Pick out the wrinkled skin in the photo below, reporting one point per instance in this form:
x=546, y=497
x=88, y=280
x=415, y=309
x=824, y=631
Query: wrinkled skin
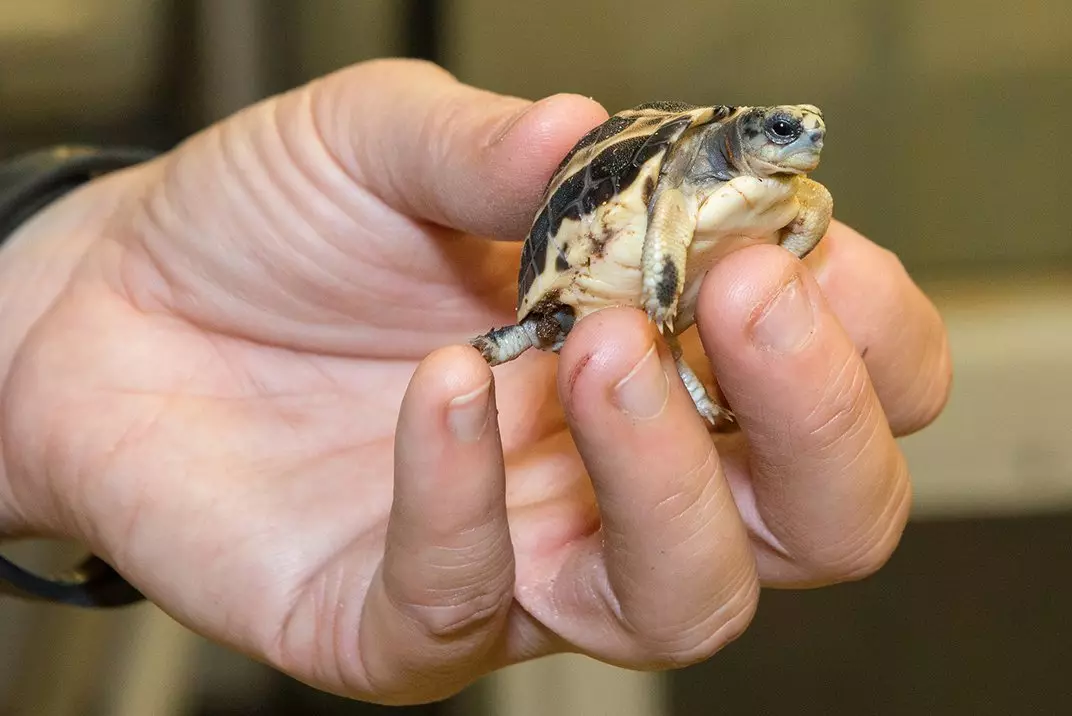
x=228, y=372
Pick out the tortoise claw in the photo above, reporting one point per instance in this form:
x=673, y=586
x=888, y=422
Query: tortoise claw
x=662, y=316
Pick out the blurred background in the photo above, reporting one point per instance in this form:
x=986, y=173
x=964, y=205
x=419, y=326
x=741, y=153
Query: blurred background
x=949, y=143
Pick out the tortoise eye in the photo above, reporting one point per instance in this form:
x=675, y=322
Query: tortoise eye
x=782, y=130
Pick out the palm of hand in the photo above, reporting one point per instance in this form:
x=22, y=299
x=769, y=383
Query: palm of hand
x=285, y=485
x=232, y=399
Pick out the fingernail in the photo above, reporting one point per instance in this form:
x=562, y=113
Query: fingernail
x=467, y=415
x=644, y=392
x=788, y=319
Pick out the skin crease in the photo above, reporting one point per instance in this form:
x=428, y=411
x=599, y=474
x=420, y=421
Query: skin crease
x=231, y=372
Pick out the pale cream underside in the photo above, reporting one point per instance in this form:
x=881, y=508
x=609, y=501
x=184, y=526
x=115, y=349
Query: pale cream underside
x=741, y=212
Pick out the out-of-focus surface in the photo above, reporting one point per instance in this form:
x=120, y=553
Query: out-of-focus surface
x=78, y=62
x=1003, y=446
x=947, y=145
x=938, y=112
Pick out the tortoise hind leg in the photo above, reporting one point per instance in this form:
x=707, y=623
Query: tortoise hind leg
x=500, y=345
x=546, y=330
x=705, y=405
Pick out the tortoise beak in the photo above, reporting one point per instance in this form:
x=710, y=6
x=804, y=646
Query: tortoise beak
x=815, y=138
x=806, y=150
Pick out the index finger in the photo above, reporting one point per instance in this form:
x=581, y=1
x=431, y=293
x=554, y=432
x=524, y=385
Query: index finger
x=440, y=150
x=670, y=577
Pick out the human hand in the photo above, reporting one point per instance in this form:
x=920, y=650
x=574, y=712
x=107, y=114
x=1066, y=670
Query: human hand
x=239, y=374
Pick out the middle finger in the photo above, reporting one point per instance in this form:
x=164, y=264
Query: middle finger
x=671, y=573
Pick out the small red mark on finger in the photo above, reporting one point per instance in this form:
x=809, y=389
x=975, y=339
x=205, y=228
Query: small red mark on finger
x=577, y=370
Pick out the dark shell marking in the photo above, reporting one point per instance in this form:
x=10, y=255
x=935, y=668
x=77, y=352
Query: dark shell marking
x=615, y=125
x=601, y=165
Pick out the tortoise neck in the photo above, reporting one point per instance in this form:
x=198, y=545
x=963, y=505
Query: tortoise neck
x=719, y=155
x=730, y=156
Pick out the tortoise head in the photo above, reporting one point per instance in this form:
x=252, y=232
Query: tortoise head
x=786, y=139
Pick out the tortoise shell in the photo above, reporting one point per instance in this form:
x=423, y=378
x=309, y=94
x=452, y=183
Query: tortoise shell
x=618, y=161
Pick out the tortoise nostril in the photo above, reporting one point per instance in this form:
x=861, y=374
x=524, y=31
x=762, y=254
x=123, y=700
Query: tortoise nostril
x=816, y=136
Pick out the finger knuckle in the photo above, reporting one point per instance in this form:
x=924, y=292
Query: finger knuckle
x=867, y=550
x=710, y=630
x=450, y=605
x=446, y=621
x=846, y=408
x=696, y=493
x=935, y=384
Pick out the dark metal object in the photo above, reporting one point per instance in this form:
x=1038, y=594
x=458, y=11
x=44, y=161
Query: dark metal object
x=93, y=583
x=31, y=181
x=28, y=183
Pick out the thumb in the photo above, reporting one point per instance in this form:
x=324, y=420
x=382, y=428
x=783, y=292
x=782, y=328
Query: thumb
x=442, y=151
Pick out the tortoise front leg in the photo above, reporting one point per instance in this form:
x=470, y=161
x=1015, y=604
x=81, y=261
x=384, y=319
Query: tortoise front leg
x=812, y=220
x=662, y=262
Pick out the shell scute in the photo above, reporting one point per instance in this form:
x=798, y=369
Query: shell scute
x=665, y=106
x=615, y=125
x=660, y=140
x=601, y=166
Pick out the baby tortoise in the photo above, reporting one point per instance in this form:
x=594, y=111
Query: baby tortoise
x=645, y=203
